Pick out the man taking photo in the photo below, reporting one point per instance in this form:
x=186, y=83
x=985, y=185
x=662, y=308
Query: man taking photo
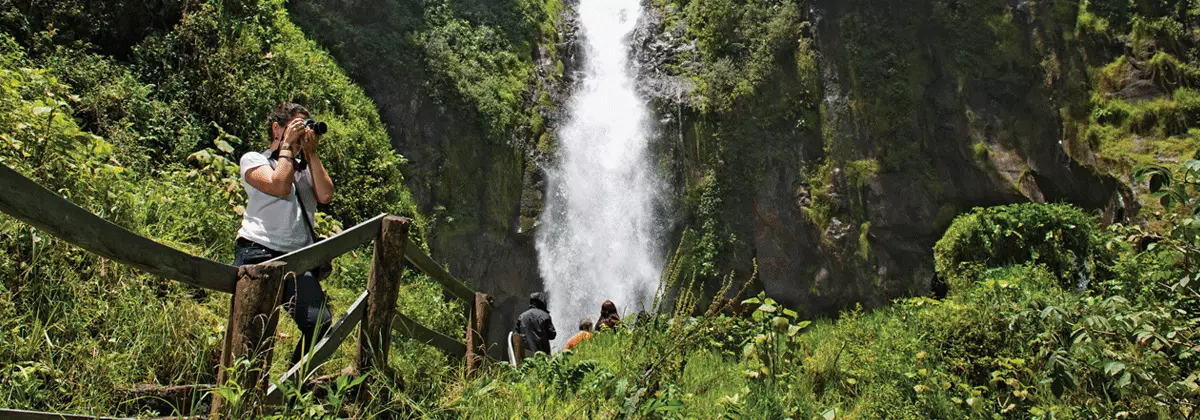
x=283, y=194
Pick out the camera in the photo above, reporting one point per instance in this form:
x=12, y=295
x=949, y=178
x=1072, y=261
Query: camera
x=318, y=127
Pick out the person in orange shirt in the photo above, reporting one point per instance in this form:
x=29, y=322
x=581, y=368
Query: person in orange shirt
x=585, y=332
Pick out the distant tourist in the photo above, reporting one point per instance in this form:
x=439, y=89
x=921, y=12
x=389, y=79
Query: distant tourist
x=536, y=326
x=585, y=332
x=609, y=319
x=643, y=318
x=283, y=195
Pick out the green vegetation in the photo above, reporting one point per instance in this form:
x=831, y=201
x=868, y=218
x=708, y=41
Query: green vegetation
x=1009, y=341
x=853, y=97
x=206, y=85
x=757, y=92
x=1060, y=237
x=981, y=151
x=803, y=93
x=475, y=57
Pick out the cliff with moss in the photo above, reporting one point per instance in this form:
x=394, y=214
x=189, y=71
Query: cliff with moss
x=833, y=142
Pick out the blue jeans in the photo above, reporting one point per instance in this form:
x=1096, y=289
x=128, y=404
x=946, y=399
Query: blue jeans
x=303, y=298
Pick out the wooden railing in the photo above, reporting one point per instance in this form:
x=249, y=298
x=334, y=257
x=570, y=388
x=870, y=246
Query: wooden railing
x=257, y=289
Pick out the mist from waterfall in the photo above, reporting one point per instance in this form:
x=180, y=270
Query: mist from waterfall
x=599, y=236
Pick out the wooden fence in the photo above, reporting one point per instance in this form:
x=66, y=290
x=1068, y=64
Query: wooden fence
x=256, y=289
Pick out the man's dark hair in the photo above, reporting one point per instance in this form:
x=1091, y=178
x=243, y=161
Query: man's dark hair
x=585, y=324
x=538, y=300
x=282, y=114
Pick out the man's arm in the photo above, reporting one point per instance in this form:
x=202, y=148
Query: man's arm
x=278, y=181
x=322, y=184
x=550, y=332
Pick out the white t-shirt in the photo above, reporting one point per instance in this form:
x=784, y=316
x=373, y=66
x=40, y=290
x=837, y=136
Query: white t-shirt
x=272, y=221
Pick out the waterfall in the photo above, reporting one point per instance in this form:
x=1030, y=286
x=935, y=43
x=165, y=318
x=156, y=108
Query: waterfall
x=599, y=235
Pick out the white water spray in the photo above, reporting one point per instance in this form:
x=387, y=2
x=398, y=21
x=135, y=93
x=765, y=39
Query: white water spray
x=599, y=237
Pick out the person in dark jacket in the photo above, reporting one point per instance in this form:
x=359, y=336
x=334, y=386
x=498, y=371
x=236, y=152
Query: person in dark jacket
x=536, y=326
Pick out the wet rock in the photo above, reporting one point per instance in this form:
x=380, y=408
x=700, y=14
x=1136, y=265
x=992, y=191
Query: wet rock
x=1140, y=90
x=837, y=230
x=660, y=53
x=802, y=196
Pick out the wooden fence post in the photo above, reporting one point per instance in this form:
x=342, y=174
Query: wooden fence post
x=477, y=332
x=383, y=287
x=250, y=332
x=517, y=344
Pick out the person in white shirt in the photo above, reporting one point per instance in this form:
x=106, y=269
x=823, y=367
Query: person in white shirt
x=283, y=194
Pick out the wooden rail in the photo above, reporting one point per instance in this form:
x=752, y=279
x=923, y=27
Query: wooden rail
x=383, y=285
x=325, y=251
x=423, y=262
x=250, y=330
x=324, y=348
x=39, y=415
x=478, y=316
x=417, y=332
x=256, y=289
x=24, y=199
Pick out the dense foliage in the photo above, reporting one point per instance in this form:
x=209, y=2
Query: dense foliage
x=1012, y=343
x=476, y=57
x=76, y=327
x=1060, y=237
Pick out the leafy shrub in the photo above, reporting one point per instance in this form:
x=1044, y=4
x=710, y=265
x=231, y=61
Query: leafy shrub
x=77, y=328
x=114, y=26
x=1060, y=236
x=113, y=103
x=478, y=63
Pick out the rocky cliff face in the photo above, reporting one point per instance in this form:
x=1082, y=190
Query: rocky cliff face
x=833, y=142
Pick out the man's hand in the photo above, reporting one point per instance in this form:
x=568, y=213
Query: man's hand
x=294, y=132
x=322, y=185
x=309, y=143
